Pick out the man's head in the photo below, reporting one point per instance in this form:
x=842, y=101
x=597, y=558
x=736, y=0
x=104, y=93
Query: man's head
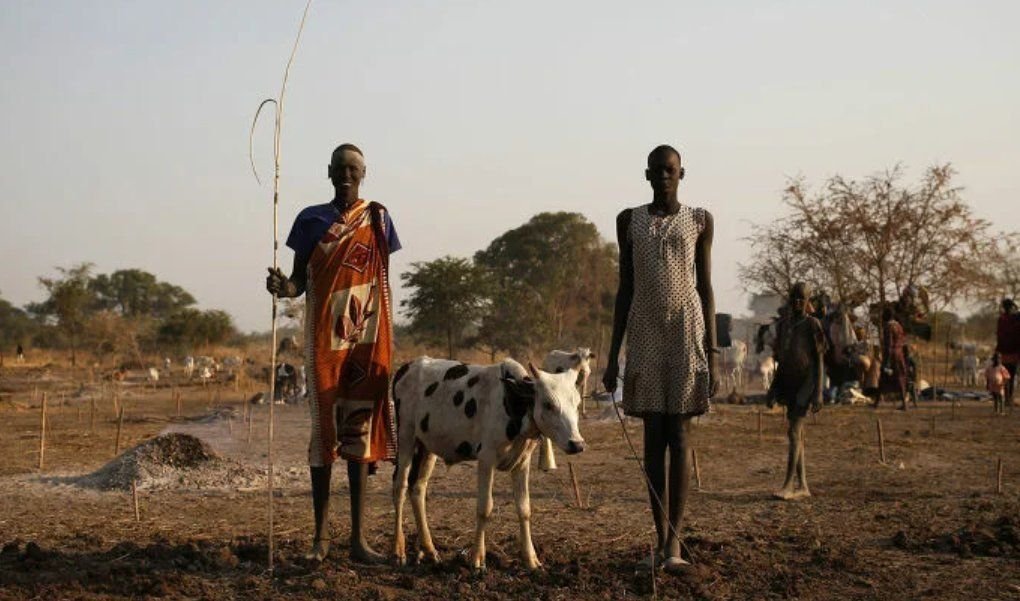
x=1008, y=306
x=798, y=298
x=346, y=170
x=664, y=170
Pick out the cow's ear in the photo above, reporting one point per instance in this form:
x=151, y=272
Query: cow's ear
x=591, y=355
x=520, y=395
x=576, y=358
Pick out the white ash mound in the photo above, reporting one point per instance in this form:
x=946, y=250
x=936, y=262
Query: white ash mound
x=172, y=460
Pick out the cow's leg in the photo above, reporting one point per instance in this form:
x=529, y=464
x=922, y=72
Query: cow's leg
x=426, y=550
x=485, y=474
x=522, y=498
x=320, y=506
x=678, y=438
x=404, y=456
x=357, y=478
x=547, y=457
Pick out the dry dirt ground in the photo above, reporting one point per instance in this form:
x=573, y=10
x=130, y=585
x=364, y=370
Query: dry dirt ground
x=926, y=524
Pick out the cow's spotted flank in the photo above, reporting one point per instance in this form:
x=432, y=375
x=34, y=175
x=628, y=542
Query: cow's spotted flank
x=458, y=398
x=424, y=425
x=400, y=374
x=456, y=372
x=473, y=380
x=470, y=408
x=464, y=449
x=432, y=388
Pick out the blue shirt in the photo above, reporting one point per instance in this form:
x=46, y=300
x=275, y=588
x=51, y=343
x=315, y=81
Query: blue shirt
x=312, y=222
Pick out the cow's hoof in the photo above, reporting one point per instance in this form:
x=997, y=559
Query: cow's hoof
x=320, y=549
x=533, y=564
x=429, y=557
x=400, y=560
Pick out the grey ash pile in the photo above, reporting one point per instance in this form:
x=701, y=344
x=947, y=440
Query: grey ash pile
x=163, y=462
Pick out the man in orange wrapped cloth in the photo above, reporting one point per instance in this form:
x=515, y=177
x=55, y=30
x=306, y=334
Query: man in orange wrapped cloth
x=341, y=264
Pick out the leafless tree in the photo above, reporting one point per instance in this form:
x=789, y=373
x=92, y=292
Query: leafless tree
x=871, y=239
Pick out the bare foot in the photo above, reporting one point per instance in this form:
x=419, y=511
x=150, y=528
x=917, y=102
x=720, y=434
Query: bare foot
x=650, y=563
x=362, y=553
x=800, y=493
x=674, y=564
x=320, y=549
x=785, y=494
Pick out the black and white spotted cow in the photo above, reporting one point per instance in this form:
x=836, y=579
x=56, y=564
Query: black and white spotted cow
x=558, y=362
x=491, y=414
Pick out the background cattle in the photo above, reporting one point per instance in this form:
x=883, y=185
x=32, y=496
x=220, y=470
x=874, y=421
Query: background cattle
x=558, y=362
x=731, y=364
x=286, y=388
x=490, y=414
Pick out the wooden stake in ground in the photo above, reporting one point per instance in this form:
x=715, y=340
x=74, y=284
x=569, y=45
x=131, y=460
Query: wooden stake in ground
x=134, y=499
x=42, y=432
x=697, y=470
x=251, y=423
x=120, y=425
x=998, y=476
x=881, y=442
x=178, y=399
x=92, y=414
x=759, y=423
x=577, y=488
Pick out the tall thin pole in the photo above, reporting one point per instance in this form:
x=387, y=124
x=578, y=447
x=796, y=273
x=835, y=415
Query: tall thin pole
x=42, y=431
x=276, y=246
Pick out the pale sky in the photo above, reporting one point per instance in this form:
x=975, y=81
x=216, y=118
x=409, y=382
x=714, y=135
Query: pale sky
x=125, y=123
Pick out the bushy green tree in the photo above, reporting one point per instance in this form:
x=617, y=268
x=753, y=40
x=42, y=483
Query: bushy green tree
x=190, y=327
x=137, y=293
x=70, y=303
x=448, y=298
x=553, y=283
x=16, y=327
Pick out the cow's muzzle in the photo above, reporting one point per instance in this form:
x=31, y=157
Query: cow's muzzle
x=574, y=447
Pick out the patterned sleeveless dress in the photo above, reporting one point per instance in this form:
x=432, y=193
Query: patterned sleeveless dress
x=667, y=366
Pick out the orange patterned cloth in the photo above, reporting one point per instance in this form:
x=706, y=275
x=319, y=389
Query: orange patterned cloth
x=349, y=337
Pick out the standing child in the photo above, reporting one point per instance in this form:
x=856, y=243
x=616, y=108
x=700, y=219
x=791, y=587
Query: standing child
x=800, y=349
x=996, y=376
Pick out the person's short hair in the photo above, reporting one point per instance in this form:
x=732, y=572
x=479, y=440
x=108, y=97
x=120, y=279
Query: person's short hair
x=802, y=288
x=1008, y=303
x=664, y=148
x=346, y=146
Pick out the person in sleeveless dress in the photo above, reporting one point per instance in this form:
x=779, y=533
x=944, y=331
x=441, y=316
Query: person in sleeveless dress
x=666, y=309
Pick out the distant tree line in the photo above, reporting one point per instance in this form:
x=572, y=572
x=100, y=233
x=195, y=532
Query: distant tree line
x=865, y=241
x=122, y=314
x=548, y=283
